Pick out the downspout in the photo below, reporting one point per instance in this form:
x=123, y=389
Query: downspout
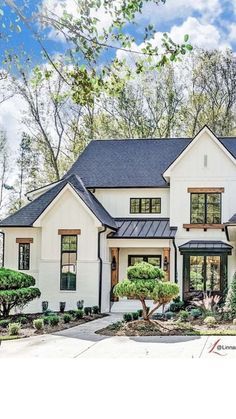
x=175, y=269
x=100, y=267
x=3, y=248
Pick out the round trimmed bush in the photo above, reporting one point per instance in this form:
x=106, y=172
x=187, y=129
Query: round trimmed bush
x=127, y=317
x=95, y=310
x=79, y=314
x=67, y=318
x=14, y=329
x=183, y=315
x=210, y=321
x=135, y=315
x=38, y=324
x=53, y=320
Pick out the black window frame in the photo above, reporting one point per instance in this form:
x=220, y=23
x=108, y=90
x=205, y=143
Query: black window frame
x=61, y=265
x=27, y=260
x=140, y=205
x=144, y=257
x=206, y=194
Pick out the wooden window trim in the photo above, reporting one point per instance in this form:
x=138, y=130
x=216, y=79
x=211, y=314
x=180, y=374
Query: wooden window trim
x=206, y=190
x=69, y=232
x=24, y=240
x=204, y=226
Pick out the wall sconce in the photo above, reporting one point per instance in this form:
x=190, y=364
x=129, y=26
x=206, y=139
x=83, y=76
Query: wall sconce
x=113, y=264
x=165, y=264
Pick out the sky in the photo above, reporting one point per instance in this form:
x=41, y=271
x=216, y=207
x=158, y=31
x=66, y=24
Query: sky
x=211, y=24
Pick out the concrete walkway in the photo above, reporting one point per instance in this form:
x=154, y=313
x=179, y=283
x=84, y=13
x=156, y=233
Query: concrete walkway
x=82, y=342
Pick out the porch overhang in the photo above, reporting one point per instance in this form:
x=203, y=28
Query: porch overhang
x=143, y=228
x=204, y=246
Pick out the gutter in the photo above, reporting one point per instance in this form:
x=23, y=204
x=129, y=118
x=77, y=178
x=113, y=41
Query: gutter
x=100, y=267
x=175, y=269
x=3, y=248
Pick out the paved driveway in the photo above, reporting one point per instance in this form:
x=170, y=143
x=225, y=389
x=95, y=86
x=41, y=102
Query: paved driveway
x=82, y=342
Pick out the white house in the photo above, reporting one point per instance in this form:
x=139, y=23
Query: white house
x=165, y=201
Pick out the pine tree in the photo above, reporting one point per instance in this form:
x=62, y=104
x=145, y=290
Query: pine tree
x=230, y=303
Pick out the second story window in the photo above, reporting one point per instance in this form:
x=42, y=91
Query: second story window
x=145, y=205
x=205, y=208
x=24, y=256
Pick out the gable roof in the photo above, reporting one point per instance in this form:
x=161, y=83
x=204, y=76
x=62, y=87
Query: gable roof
x=132, y=163
x=27, y=215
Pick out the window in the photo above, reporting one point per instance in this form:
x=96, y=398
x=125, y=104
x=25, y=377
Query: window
x=145, y=205
x=153, y=260
x=206, y=208
x=24, y=256
x=68, y=262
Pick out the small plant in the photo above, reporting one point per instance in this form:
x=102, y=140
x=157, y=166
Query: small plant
x=53, y=320
x=4, y=323
x=38, y=324
x=44, y=306
x=234, y=322
x=67, y=318
x=169, y=315
x=177, y=305
x=72, y=312
x=230, y=304
x=95, y=310
x=208, y=303
x=23, y=320
x=48, y=313
x=87, y=311
x=80, y=304
x=195, y=313
x=14, y=329
x=62, y=306
x=127, y=317
x=140, y=312
x=210, y=321
x=183, y=316
x=46, y=320
x=135, y=315
x=79, y=314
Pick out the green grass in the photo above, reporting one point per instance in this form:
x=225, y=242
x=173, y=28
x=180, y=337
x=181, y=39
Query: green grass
x=212, y=332
x=8, y=337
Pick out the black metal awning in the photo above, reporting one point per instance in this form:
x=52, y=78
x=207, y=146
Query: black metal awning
x=143, y=228
x=197, y=246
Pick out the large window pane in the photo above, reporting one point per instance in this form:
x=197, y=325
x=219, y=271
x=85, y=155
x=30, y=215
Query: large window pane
x=68, y=262
x=212, y=273
x=213, y=209
x=156, y=205
x=24, y=256
x=198, y=208
x=134, y=205
x=145, y=205
x=153, y=260
x=196, y=273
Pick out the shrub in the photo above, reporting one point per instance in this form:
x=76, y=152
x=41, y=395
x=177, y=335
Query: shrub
x=23, y=320
x=195, y=313
x=234, y=322
x=49, y=313
x=140, y=313
x=183, y=315
x=210, y=321
x=135, y=315
x=169, y=315
x=87, y=311
x=79, y=314
x=127, y=317
x=209, y=303
x=14, y=329
x=16, y=290
x=4, y=323
x=72, y=312
x=144, y=282
x=95, y=310
x=46, y=319
x=230, y=304
x=67, y=318
x=53, y=320
x=38, y=324
x=177, y=305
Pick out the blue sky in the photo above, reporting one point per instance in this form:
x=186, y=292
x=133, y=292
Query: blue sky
x=210, y=24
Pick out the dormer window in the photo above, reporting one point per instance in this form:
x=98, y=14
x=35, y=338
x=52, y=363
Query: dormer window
x=145, y=205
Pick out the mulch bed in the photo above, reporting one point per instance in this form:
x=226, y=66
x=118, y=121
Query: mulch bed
x=165, y=328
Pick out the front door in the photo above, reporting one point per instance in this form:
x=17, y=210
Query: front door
x=204, y=273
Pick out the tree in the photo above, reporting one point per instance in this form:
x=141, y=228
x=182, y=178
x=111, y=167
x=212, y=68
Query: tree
x=16, y=290
x=145, y=281
x=230, y=303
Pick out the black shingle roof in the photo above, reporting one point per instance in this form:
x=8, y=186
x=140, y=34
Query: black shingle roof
x=204, y=245
x=143, y=228
x=27, y=215
x=132, y=163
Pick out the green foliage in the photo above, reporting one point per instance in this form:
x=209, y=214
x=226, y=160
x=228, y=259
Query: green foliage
x=67, y=318
x=4, y=323
x=169, y=315
x=183, y=315
x=176, y=306
x=230, y=304
x=87, y=311
x=128, y=317
x=22, y=320
x=140, y=312
x=53, y=320
x=16, y=290
x=14, y=329
x=210, y=321
x=38, y=324
x=135, y=315
x=72, y=312
x=79, y=314
x=46, y=319
x=195, y=313
x=144, y=270
x=95, y=310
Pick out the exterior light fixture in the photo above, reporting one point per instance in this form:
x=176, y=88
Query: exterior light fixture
x=113, y=264
x=165, y=264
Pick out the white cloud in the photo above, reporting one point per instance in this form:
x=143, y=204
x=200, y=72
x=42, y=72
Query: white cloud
x=232, y=32
x=10, y=119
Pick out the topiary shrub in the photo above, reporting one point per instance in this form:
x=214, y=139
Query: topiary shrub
x=38, y=324
x=53, y=320
x=127, y=317
x=14, y=329
x=145, y=283
x=183, y=316
x=177, y=305
x=135, y=315
x=16, y=290
x=67, y=318
x=95, y=310
x=79, y=314
x=87, y=311
x=210, y=321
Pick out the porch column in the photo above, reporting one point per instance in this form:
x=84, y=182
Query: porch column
x=166, y=262
x=114, y=269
